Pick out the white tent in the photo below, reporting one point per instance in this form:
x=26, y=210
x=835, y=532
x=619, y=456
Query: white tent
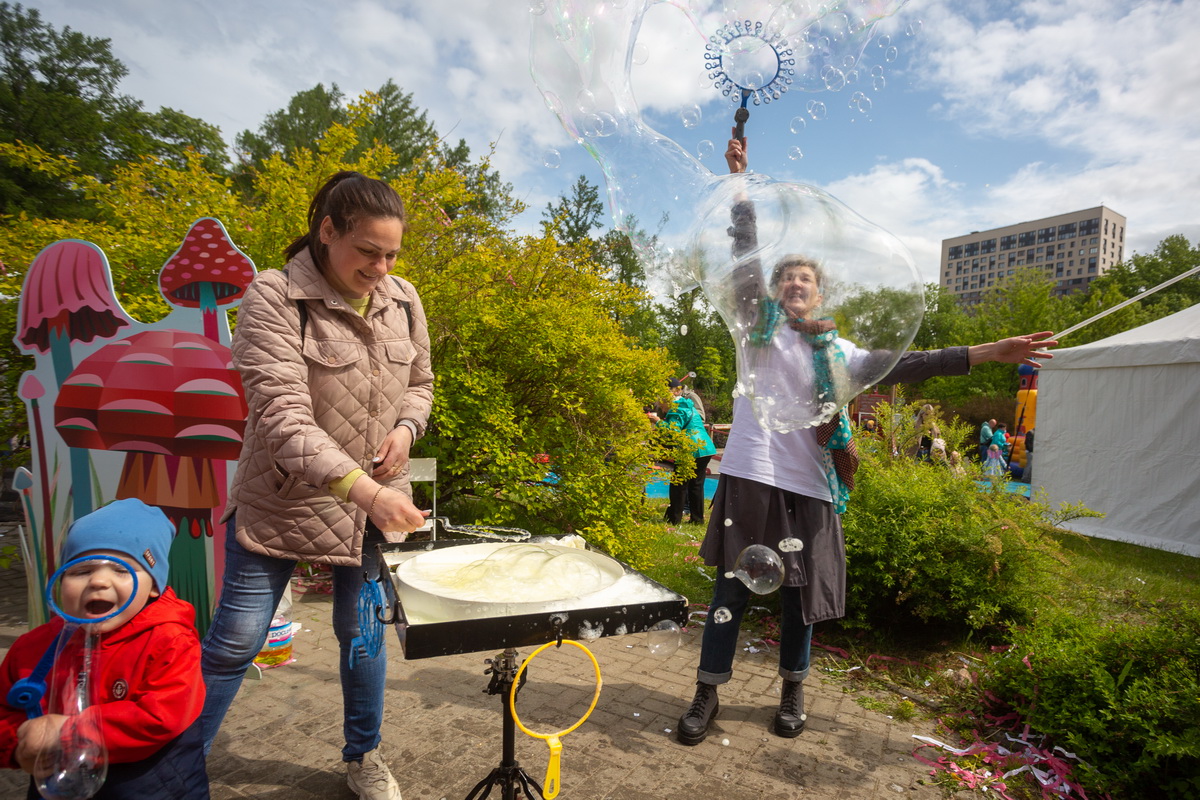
x=1118, y=429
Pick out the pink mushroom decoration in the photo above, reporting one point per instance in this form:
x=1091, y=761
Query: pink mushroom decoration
x=68, y=297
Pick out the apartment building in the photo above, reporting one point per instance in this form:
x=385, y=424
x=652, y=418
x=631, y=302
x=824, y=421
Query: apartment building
x=1073, y=249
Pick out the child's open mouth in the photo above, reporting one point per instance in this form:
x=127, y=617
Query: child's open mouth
x=98, y=608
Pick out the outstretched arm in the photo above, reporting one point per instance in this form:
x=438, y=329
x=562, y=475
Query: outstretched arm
x=1014, y=350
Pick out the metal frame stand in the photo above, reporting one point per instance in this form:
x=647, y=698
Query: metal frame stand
x=508, y=776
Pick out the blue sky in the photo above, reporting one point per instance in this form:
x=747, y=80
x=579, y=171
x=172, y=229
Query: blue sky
x=993, y=112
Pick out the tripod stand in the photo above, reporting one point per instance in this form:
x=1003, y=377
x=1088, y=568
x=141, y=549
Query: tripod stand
x=508, y=776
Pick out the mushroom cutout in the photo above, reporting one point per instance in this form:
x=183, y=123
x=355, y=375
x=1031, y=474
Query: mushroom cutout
x=173, y=402
x=68, y=297
x=207, y=271
x=32, y=390
x=35, y=576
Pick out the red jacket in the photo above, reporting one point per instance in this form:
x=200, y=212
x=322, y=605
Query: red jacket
x=149, y=688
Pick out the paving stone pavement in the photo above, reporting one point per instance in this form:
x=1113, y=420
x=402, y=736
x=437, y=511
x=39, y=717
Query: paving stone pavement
x=442, y=734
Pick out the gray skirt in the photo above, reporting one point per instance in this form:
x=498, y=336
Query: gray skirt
x=746, y=512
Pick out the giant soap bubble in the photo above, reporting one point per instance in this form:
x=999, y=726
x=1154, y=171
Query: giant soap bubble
x=679, y=214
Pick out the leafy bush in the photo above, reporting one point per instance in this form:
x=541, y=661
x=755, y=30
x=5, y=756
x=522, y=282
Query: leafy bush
x=925, y=544
x=1123, y=696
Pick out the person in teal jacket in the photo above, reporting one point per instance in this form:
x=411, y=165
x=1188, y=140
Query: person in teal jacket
x=684, y=417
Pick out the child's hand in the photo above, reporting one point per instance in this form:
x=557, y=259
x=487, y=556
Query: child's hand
x=36, y=737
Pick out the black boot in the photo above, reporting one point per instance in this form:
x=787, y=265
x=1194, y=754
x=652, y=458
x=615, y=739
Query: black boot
x=693, y=725
x=790, y=718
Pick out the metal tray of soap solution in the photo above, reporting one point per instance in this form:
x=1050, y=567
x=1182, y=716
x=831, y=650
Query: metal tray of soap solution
x=633, y=604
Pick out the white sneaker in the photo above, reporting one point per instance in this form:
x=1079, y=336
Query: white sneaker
x=371, y=779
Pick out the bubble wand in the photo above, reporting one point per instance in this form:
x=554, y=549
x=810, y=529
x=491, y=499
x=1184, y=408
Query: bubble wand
x=78, y=767
x=740, y=56
x=552, y=782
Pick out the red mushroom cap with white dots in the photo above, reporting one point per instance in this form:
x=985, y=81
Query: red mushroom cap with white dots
x=207, y=256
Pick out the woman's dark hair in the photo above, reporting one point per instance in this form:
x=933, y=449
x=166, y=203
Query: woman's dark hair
x=346, y=198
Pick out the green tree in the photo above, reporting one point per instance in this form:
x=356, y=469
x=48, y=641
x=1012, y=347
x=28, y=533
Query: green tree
x=307, y=116
x=572, y=219
x=59, y=92
x=392, y=121
x=1173, y=256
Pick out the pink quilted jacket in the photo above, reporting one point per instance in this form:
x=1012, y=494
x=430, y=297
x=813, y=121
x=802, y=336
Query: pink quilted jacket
x=321, y=408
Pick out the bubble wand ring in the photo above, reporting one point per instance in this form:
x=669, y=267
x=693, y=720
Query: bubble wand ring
x=27, y=693
x=742, y=56
x=58, y=573
x=551, y=783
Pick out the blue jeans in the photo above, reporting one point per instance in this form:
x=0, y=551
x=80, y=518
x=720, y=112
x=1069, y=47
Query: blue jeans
x=250, y=593
x=721, y=638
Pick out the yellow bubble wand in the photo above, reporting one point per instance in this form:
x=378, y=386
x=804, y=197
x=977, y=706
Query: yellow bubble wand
x=552, y=782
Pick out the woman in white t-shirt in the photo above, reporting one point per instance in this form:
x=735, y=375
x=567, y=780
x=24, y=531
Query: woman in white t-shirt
x=778, y=487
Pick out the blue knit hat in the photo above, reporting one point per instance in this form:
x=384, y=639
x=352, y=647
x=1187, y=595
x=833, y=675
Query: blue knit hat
x=127, y=526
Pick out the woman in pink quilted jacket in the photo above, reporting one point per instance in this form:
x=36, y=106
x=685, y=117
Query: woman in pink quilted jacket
x=334, y=357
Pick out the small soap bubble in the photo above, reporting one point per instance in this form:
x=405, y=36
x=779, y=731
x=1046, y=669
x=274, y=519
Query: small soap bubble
x=860, y=102
x=913, y=28
x=705, y=148
x=690, y=116
x=663, y=638
x=884, y=41
x=833, y=77
x=721, y=615
x=791, y=545
x=551, y=158
x=798, y=124
x=760, y=568
x=641, y=53
x=795, y=153
x=879, y=82
x=890, y=54
x=683, y=330
x=816, y=109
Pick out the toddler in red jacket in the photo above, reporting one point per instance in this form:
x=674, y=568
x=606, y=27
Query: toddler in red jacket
x=148, y=692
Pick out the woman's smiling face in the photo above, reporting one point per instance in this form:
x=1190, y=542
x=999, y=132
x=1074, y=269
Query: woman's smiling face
x=798, y=291
x=358, y=259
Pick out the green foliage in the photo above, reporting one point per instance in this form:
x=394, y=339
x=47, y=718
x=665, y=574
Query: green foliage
x=573, y=218
x=1123, y=696
x=58, y=92
x=925, y=544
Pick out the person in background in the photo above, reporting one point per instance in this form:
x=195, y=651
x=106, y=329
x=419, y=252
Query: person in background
x=1027, y=474
x=793, y=485
x=985, y=438
x=927, y=428
x=994, y=466
x=697, y=403
x=334, y=357
x=1000, y=438
x=682, y=416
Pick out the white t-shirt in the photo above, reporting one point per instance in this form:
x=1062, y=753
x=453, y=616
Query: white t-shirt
x=783, y=371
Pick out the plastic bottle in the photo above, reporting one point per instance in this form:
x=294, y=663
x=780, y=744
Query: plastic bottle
x=277, y=649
